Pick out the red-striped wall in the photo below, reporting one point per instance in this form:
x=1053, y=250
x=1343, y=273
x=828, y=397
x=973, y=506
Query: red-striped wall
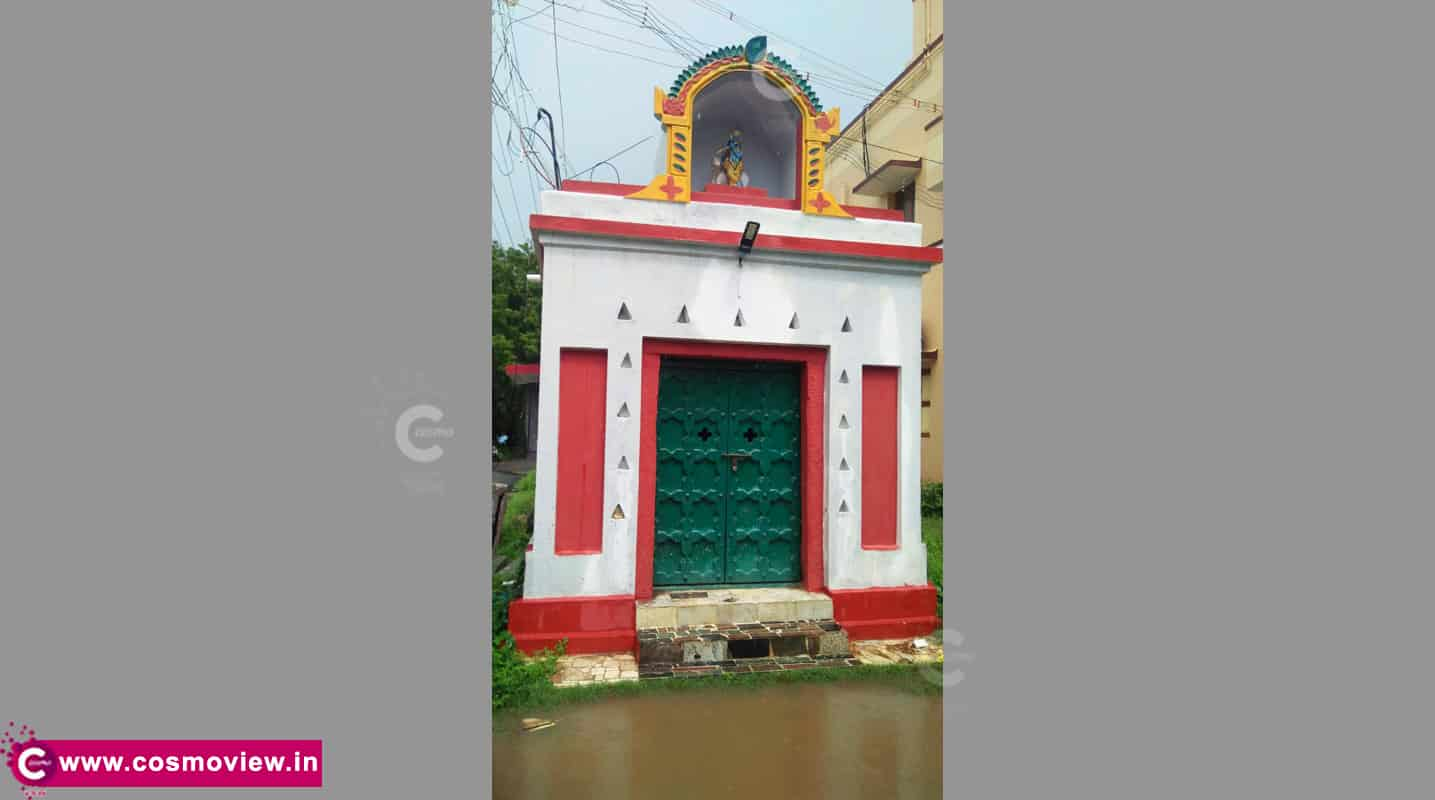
x=583, y=393
x=879, y=458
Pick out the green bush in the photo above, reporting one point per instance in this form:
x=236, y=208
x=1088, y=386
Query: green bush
x=931, y=499
x=517, y=680
x=515, y=530
x=520, y=680
x=932, y=538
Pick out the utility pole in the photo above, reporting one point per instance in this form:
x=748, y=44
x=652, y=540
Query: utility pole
x=552, y=147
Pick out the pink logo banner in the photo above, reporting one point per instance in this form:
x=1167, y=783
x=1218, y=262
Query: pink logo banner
x=163, y=763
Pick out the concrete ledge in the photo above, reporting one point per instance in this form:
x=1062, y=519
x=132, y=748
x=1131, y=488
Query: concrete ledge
x=886, y=612
x=731, y=607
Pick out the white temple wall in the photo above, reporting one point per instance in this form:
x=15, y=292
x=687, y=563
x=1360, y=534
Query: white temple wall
x=585, y=281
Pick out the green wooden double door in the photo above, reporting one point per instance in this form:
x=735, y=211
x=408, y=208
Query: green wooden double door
x=728, y=507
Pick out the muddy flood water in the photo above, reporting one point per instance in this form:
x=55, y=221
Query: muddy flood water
x=828, y=741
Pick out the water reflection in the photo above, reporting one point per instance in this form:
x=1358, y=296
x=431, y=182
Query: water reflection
x=795, y=741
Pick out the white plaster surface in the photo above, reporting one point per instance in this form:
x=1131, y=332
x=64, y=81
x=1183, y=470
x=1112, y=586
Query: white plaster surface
x=586, y=279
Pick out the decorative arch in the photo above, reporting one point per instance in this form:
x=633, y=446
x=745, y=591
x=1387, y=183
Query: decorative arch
x=674, y=109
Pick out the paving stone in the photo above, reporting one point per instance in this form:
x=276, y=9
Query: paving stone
x=896, y=651
x=832, y=643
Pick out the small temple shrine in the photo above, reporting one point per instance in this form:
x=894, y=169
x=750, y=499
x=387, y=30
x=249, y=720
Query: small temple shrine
x=728, y=421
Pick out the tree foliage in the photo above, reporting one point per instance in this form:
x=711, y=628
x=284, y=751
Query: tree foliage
x=516, y=314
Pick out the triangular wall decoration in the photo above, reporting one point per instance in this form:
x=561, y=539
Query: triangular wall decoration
x=623, y=412
x=738, y=322
x=793, y=323
x=683, y=315
x=847, y=325
x=623, y=312
x=843, y=424
x=627, y=361
x=623, y=462
x=843, y=378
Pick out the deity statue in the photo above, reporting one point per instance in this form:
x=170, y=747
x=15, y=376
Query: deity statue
x=727, y=162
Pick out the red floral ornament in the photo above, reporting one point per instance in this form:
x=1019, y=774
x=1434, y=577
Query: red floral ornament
x=673, y=106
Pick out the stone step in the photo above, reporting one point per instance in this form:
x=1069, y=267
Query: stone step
x=671, y=608
x=698, y=645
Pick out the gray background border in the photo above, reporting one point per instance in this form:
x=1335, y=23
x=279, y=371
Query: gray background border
x=1188, y=415
x=237, y=240
x=1189, y=398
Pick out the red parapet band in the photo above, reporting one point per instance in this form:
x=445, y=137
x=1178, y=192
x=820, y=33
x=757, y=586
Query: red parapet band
x=765, y=241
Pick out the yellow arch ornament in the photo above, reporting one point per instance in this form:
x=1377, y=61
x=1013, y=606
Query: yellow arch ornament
x=675, y=112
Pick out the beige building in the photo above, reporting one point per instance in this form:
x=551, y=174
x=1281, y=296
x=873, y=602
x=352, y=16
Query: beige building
x=890, y=156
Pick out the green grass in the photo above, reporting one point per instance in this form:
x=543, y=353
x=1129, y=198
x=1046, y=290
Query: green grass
x=516, y=528
x=932, y=538
x=517, y=680
x=906, y=677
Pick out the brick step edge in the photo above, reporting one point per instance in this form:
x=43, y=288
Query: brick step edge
x=741, y=630
x=709, y=644
x=743, y=666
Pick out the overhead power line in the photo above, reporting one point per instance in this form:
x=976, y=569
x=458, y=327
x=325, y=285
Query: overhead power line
x=608, y=50
x=615, y=155
x=498, y=204
x=604, y=33
x=860, y=89
x=726, y=13
x=558, y=78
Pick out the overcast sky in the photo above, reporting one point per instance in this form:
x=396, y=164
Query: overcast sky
x=851, y=50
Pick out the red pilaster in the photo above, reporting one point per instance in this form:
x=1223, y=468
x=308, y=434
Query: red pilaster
x=583, y=394
x=879, y=458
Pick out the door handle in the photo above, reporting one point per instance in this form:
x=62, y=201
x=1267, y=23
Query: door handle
x=734, y=457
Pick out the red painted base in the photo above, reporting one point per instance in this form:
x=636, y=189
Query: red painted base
x=886, y=612
x=736, y=191
x=600, y=624
x=608, y=624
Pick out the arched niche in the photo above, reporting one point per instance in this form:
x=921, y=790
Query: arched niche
x=785, y=129
x=771, y=126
